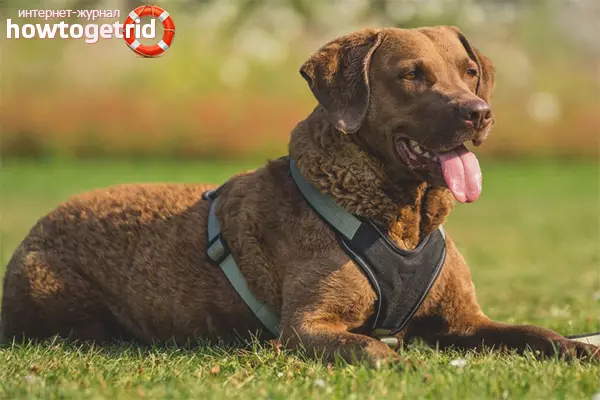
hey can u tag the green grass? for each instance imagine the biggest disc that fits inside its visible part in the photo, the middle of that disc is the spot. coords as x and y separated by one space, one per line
532 242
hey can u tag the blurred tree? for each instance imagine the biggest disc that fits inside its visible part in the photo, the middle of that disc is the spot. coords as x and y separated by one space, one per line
131 4
308 10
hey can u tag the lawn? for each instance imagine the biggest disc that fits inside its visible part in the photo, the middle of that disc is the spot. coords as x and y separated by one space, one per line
532 242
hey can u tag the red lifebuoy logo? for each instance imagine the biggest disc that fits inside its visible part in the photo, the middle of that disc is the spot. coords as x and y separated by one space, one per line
168 31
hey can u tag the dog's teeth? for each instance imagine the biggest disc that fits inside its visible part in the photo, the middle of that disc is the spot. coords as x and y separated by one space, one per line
414 145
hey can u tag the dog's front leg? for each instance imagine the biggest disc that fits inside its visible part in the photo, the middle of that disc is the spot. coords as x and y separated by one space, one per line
328 340
322 304
451 318
500 336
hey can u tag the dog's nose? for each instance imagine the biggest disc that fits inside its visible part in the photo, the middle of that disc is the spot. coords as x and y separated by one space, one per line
476 113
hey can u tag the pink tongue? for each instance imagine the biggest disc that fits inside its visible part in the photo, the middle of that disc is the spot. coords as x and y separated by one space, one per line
461 173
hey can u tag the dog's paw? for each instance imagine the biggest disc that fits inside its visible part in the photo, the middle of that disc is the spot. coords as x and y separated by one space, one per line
571 349
378 355
384 357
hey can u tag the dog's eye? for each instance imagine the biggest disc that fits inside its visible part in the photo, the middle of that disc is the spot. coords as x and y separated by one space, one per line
472 72
411 76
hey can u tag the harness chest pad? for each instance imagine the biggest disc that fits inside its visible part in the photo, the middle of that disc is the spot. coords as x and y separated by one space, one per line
401 279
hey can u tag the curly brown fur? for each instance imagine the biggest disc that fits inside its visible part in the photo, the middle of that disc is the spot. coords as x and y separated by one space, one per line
409 210
129 261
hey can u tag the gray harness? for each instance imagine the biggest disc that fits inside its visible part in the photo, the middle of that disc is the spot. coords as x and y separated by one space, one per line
400 278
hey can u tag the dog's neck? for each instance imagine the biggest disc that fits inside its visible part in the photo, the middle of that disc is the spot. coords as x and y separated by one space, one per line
337 165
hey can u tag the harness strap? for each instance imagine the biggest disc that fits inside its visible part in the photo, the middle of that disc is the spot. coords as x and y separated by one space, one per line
344 222
218 251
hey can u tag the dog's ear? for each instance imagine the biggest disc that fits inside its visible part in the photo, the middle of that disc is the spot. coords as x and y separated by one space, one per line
485 79
338 76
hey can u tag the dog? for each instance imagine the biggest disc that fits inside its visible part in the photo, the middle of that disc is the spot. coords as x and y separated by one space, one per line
386 142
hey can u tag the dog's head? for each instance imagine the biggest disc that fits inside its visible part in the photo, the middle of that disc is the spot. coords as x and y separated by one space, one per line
414 97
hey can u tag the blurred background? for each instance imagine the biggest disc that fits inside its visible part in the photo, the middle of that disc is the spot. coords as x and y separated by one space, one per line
76 116
229 86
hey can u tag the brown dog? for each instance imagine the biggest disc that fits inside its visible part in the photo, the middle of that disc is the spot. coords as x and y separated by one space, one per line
385 141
